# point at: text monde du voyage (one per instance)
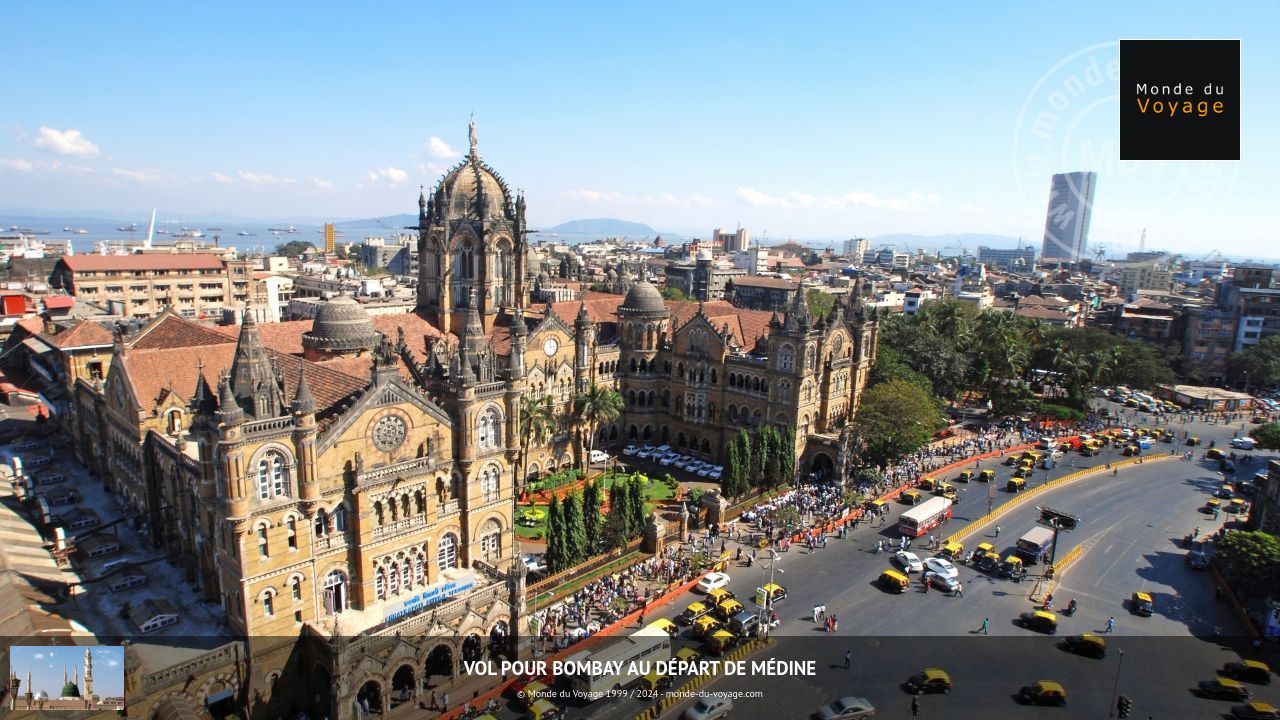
(1179, 100)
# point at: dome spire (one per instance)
(304, 403)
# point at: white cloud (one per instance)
(390, 175)
(252, 178)
(796, 200)
(16, 164)
(113, 663)
(65, 142)
(38, 656)
(224, 179)
(438, 148)
(322, 184)
(136, 174)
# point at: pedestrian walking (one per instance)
(444, 702)
(997, 531)
(986, 626)
(1111, 624)
(848, 657)
(816, 610)
(959, 589)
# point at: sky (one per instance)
(46, 663)
(808, 121)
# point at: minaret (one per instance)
(88, 673)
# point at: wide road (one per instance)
(1131, 528)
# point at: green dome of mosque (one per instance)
(70, 690)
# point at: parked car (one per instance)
(599, 456)
(846, 708)
(1224, 689)
(630, 450)
(909, 561)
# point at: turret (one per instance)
(229, 412)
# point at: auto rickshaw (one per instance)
(1012, 567)
(1142, 604)
(703, 626)
(964, 476)
(1132, 450)
(876, 507)
(1023, 472)
(1193, 441)
(926, 484)
(931, 680)
(1015, 485)
(695, 611)
(770, 594)
(1238, 507)
(728, 609)
(1012, 460)
(720, 642)
(1225, 491)
(952, 550)
(666, 626)
(1254, 671)
(987, 475)
(717, 596)
(1167, 436)
(544, 710)
(1212, 506)
(687, 655)
(912, 497)
(1087, 644)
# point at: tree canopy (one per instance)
(1267, 436)
(895, 419)
(293, 248)
(1259, 364)
(1250, 561)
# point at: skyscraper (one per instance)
(1066, 225)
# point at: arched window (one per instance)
(447, 553)
(810, 357)
(489, 483)
(465, 262)
(322, 523)
(175, 421)
(296, 586)
(380, 583)
(489, 429)
(340, 518)
(269, 603)
(406, 573)
(335, 591)
(273, 482)
(393, 579)
(491, 540)
(291, 531)
(418, 570)
(786, 358)
(713, 376)
(263, 549)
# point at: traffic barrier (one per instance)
(1025, 496)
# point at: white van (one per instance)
(599, 456)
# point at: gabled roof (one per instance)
(745, 326)
(170, 330)
(83, 334)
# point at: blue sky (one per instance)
(46, 663)
(806, 120)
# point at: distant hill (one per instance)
(970, 241)
(602, 226)
(394, 221)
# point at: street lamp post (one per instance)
(1115, 688)
(767, 605)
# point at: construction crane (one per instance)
(1100, 253)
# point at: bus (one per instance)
(648, 644)
(924, 517)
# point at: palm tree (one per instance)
(597, 405)
(949, 319)
(537, 423)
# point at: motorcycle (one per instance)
(1071, 609)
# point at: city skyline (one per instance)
(46, 664)
(838, 122)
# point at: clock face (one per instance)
(389, 432)
(550, 346)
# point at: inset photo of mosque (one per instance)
(43, 677)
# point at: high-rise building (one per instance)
(856, 248)
(1066, 225)
(731, 242)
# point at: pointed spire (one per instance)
(474, 326)
(203, 399)
(254, 379)
(304, 403)
(229, 411)
(518, 327)
(583, 318)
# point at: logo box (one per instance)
(1180, 99)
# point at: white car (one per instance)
(695, 466)
(680, 461)
(706, 471)
(630, 450)
(941, 566)
(715, 474)
(709, 708)
(668, 459)
(909, 561)
(713, 581)
(1243, 443)
(599, 456)
(664, 449)
(644, 454)
(846, 708)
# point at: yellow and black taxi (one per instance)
(533, 692)
(1086, 644)
(929, 680)
(987, 475)
(1221, 688)
(770, 594)
(876, 507)
(1252, 671)
(728, 609)
(1023, 471)
(1193, 441)
(1214, 454)
(1142, 604)
(1211, 505)
(544, 710)
(1041, 621)
(989, 561)
(911, 497)
(1012, 460)
(666, 626)
(1255, 711)
(720, 642)
(1044, 692)
(951, 550)
(687, 655)
(1131, 450)
(926, 484)
(1224, 491)
(1167, 436)
(1016, 483)
(717, 596)
(894, 581)
(948, 491)
(654, 682)
(1237, 506)
(695, 611)
(703, 626)
(964, 476)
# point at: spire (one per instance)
(471, 136)
(474, 327)
(304, 403)
(229, 411)
(583, 318)
(203, 399)
(422, 202)
(254, 380)
(518, 327)
(798, 317)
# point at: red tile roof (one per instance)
(170, 330)
(59, 302)
(149, 261)
(744, 325)
(82, 334)
(762, 281)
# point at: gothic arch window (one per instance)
(653, 396)
(340, 518)
(380, 584)
(393, 580)
(268, 603)
(419, 570)
(175, 421)
(295, 587)
(335, 591)
(291, 532)
(273, 478)
(489, 429)
(264, 549)
(322, 522)
(713, 376)
(447, 553)
(489, 486)
(466, 260)
(810, 357)
(786, 358)
(631, 396)
(491, 540)
(680, 370)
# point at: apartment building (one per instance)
(143, 285)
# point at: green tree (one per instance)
(1250, 561)
(673, 293)
(592, 520)
(773, 458)
(537, 423)
(731, 478)
(575, 529)
(760, 447)
(787, 457)
(895, 419)
(293, 248)
(1259, 364)
(1267, 435)
(557, 559)
(889, 365)
(635, 508)
(617, 530)
(820, 303)
(596, 406)
(746, 457)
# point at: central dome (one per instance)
(644, 297)
(341, 325)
